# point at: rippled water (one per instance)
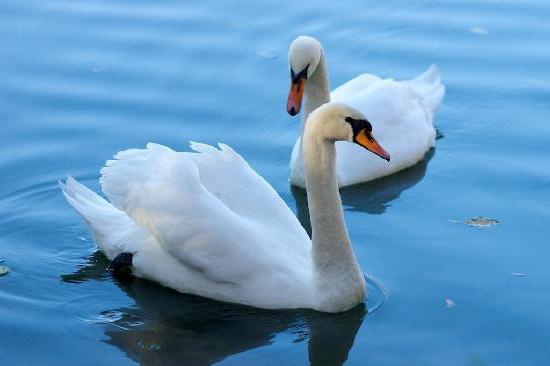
(80, 80)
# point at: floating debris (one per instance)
(449, 303)
(4, 270)
(99, 69)
(268, 55)
(148, 346)
(477, 222)
(481, 222)
(479, 30)
(516, 274)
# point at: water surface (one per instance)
(81, 80)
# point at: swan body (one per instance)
(401, 111)
(206, 223)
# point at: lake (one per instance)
(81, 80)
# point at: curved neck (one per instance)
(317, 90)
(339, 279)
(316, 94)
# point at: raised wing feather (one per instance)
(227, 176)
(181, 199)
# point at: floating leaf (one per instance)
(481, 222)
(449, 303)
(4, 270)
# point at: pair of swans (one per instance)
(206, 223)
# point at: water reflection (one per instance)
(370, 197)
(168, 328)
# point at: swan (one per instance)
(206, 223)
(402, 112)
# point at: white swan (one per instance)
(402, 112)
(206, 223)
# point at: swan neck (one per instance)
(317, 90)
(316, 94)
(339, 279)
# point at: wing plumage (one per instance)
(208, 209)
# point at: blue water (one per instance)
(81, 80)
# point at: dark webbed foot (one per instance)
(122, 264)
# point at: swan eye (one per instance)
(359, 124)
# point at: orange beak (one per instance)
(365, 139)
(295, 95)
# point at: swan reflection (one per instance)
(165, 327)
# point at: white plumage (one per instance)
(203, 223)
(401, 112)
(206, 223)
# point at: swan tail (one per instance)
(114, 232)
(429, 86)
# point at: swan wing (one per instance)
(357, 85)
(227, 176)
(427, 88)
(210, 232)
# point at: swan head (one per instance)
(340, 122)
(303, 57)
